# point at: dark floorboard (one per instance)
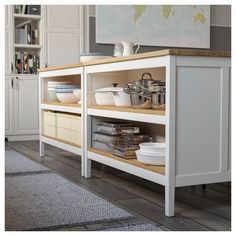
(197, 209)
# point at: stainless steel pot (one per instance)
(158, 99)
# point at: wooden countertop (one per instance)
(159, 53)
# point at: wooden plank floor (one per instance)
(197, 209)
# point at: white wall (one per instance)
(220, 14)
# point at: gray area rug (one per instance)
(49, 201)
(134, 227)
(18, 164)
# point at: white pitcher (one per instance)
(129, 48)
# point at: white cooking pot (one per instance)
(111, 96)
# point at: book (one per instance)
(23, 9)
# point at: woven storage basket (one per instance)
(75, 137)
(63, 121)
(49, 118)
(75, 123)
(49, 130)
(64, 134)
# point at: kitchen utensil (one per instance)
(153, 147)
(129, 48)
(158, 99)
(67, 98)
(85, 57)
(113, 95)
(121, 99)
(150, 159)
(104, 97)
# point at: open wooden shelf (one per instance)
(63, 141)
(63, 107)
(134, 162)
(29, 46)
(62, 104)
(160, 112)
(27, 16)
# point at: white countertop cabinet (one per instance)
(196, 121)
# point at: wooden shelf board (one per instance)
(27, 16)
(63, 141)
(160, 112)
(30, 46)
(134, 162)
(62, 104)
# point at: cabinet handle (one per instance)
(11, 67)
(12, 82)
(17, 77)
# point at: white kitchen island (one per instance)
(195, 122)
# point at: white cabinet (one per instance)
(9, 113)
(59, 43)
(26, 105)
(62, 34)
(8, 38)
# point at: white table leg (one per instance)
(169, 201)
(41, 149)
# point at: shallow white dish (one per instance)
(67, 98)
(152, 147)
(150, 159)
(93, 56)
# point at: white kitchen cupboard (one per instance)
(25, 100)
(63, 34)
(60, 40)
(196, 120)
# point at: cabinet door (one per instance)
(26, 105)
(8, 41)
(62, 35)
(9, 111)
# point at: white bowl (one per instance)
(77, 93)
(150, 159)
(67, 98)
(152, 147)
(85, 57)
(52, 97)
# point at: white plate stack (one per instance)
(152, 153)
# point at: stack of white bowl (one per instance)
(68, 93)
(52, 97)
(152, 153)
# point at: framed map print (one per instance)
(154, 25)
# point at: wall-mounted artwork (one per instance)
(154, 25)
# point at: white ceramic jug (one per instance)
(129, 48)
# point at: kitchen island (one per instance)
(195, 122)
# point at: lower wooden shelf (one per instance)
(160, 112)
(62, 141)
(62, 104)
(157, 169)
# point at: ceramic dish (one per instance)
(67, 98)
(85, 57)
(150, 159)
(152, 147)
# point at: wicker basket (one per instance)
(49, 118)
